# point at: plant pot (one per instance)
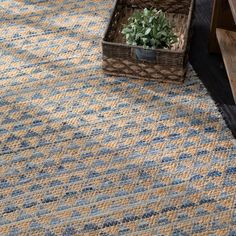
(142, 54)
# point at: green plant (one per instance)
(149, 28)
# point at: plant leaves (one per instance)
(149, 28)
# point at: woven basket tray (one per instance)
(153, 64)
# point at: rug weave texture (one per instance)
(82, 153)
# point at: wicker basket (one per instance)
(158, 64)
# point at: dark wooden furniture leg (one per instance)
(221, 18)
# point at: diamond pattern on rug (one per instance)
(83, 153)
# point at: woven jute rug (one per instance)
(83, 153)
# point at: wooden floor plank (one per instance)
(209, 66)
(227, 43)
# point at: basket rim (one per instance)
(181, 51)
(104, 42)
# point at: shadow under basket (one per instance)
(167, 65)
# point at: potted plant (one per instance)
(150, 29)
(145, 43)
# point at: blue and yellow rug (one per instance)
(82, 153)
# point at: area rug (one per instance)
(83, 153)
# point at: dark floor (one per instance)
(209, 67)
